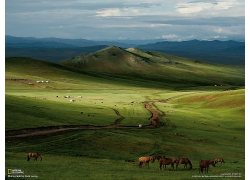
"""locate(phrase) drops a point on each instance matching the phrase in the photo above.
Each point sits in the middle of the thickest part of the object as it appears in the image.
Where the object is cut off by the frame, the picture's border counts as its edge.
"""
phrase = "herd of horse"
(163, 161)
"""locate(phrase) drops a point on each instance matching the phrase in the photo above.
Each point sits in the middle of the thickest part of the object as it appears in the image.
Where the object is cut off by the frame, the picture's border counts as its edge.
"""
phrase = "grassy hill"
(91, 137)
(158, 67)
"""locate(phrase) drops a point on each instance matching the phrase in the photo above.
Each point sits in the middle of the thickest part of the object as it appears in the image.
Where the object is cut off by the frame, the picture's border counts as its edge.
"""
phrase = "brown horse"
(146, 160)
(35, 155)
(221, 160)
(157, 157)
(205, 164)
(167, 161)
(184, 161)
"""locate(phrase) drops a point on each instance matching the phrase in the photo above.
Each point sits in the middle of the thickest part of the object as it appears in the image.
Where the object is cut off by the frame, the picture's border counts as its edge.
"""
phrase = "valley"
(123, 104)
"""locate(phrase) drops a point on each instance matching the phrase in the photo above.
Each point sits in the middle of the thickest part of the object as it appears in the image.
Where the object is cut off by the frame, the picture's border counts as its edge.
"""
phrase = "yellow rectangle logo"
(9, 171)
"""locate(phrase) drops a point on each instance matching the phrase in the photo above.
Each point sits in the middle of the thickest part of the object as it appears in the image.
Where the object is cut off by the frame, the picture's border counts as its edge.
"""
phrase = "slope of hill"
(156, 66)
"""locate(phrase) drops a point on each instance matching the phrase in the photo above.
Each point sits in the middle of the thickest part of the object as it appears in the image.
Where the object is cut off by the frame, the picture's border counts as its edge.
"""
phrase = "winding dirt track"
(118, 114)
(154, 115)
(154, 119)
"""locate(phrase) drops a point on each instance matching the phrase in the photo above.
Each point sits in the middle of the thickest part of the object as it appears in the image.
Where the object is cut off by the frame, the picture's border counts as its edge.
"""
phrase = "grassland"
(209, 120)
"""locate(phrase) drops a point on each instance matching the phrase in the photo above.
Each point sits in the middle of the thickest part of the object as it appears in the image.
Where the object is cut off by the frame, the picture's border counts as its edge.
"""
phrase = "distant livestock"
(79, 96)
(157, 157)
(35, 155)
(66, 96)
(221, 160)
(146, 160)
(205, 164)
(184, 161)
(72, 100)
(167, 161)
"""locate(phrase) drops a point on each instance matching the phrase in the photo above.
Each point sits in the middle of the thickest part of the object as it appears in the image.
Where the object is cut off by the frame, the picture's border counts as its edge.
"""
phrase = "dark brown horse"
(184, 161)
(35, 155)
(205, 164)
(167, 161)
(146, 160)
(157, 157)
(221, 160)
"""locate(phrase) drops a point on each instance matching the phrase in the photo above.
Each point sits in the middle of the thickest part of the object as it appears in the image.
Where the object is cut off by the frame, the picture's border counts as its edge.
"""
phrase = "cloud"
(169, 36)
(109, 12)
(129, 12)
(200, 6)
(132, 19)
(214, 21)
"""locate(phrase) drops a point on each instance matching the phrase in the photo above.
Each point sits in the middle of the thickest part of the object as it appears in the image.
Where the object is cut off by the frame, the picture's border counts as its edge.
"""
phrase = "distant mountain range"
(57, 49)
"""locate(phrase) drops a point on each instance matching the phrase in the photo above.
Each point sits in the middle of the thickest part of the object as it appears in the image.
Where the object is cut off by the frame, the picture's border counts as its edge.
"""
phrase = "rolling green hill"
(91, 137)
(158, 67)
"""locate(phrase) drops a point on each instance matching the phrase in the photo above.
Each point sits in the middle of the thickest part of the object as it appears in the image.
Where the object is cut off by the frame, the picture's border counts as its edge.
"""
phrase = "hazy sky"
(173, 20)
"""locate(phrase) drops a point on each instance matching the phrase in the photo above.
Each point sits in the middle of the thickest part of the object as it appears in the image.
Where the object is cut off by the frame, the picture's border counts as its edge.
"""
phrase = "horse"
(167, 161)
(157, 157)
(35, 155)
(221, 160)
(184, 161)
(205, 164)
(146, 160)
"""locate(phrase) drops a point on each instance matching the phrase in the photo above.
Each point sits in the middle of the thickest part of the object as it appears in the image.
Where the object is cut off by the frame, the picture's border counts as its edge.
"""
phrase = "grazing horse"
(157, 157)
(221, 160)
(35, 155)
(184, 161)
(167, 161)
(146, 160)
(205, 164)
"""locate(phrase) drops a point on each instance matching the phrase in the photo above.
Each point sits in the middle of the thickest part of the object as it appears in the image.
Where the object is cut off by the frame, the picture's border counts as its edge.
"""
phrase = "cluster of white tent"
(43, 81)
(71, 100)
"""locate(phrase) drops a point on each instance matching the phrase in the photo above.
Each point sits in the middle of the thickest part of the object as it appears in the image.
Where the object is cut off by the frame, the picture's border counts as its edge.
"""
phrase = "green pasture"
(209, 120)
(100, 154)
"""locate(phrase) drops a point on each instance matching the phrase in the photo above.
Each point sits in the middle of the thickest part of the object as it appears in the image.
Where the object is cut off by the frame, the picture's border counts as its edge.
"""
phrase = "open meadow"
(87, 124)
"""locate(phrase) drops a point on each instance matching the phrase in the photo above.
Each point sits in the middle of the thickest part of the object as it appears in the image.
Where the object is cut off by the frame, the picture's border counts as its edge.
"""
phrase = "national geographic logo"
(15, 171)
(18, 173)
